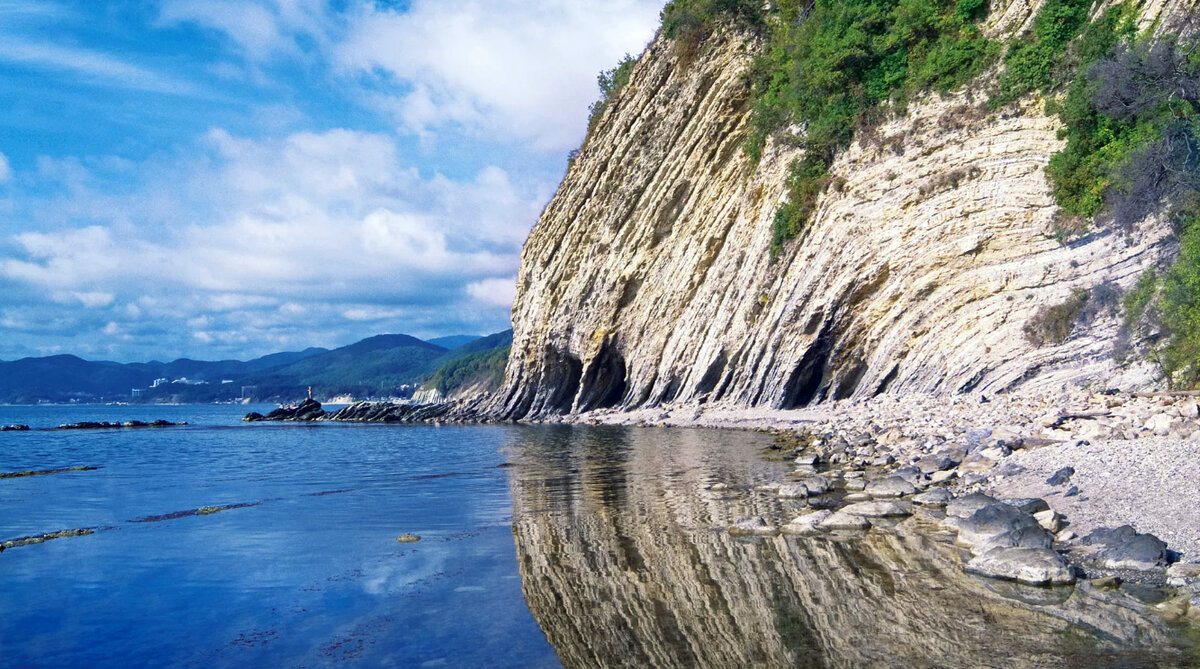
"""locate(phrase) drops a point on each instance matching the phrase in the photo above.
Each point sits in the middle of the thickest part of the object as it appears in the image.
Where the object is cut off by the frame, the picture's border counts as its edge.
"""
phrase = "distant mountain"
(378, 365)
(478, 365)
(454, 341)
(381, 366)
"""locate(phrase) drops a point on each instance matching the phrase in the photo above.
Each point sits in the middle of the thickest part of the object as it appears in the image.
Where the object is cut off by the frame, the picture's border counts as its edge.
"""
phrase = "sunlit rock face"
(625, 562)
(648, 278)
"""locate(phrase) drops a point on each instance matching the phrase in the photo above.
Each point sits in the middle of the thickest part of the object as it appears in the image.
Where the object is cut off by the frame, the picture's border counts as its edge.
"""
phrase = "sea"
(231, 544)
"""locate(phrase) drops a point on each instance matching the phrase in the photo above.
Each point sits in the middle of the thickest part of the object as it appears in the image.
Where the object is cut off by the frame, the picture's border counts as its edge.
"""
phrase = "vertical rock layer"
(649, 279)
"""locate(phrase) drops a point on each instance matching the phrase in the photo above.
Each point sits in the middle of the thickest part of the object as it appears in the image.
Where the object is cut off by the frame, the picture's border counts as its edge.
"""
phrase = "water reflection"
(624, 563)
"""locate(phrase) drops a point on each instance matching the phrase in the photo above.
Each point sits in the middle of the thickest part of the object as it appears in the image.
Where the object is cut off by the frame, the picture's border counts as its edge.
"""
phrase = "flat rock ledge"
(311, 411)
(1033, 566)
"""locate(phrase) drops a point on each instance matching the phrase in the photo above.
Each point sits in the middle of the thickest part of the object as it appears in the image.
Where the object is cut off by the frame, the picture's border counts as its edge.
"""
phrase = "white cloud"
(5, 168)
(280, 240)
(261, 29)
(93, 66)
(503, 66)
(494, 292)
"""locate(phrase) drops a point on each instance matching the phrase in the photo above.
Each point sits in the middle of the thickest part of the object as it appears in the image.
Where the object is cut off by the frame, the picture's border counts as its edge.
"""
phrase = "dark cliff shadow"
(624, 563)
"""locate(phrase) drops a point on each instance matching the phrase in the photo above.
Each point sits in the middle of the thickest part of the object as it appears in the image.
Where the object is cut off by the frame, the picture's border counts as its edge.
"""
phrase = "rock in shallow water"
(879, 509)
(935, 497)
(892, 486)
(793, 491)
(841, 520)
(1034, 566)
(806, 524)
(754, 525)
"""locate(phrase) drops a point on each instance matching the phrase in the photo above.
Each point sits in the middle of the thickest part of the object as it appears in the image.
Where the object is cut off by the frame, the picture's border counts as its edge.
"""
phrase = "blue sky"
(229, 178)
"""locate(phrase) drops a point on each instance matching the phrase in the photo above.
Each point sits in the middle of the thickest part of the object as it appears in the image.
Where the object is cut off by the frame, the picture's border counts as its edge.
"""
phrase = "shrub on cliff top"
(828, 65)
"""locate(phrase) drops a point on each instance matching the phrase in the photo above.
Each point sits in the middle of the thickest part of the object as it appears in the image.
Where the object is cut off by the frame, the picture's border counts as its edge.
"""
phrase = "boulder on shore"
(1034, 566)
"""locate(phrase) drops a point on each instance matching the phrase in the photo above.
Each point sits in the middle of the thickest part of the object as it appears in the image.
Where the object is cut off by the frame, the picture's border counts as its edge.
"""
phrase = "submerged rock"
(1034, 566)
(753, 525)
(14, 428)
(841, 520)
(807, 523)
(815, 483)
(793, 491)
(878, 509)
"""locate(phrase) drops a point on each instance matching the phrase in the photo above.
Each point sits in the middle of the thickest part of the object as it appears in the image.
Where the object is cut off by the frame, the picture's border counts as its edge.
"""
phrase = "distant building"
(135, 393)
(158, 382)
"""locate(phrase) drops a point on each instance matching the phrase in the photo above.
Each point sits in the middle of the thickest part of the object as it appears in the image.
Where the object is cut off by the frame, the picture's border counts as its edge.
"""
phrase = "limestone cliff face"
(649, 280)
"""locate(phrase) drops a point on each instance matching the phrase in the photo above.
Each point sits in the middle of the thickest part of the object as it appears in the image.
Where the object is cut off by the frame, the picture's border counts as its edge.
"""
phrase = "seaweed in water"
(202, 511)
(43, 472)
(42, 538)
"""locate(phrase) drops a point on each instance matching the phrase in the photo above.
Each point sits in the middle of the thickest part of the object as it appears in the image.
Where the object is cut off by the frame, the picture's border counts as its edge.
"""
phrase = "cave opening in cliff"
(561, 373)
(803, 385)
(603, 384)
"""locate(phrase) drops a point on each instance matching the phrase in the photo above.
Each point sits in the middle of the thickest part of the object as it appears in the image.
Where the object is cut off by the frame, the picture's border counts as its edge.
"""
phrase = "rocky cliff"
(649, 279)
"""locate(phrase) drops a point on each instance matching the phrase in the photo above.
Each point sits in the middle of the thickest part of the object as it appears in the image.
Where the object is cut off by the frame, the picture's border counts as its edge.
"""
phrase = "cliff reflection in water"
(625, 562)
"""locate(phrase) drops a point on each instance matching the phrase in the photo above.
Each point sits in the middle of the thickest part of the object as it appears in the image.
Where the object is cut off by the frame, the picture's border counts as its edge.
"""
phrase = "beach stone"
(856, 484)
(1184, 575)
(883, 460)
(815, 483)
(1061, 477)
(807, 523)
(977, 464)
(892, 486)
(845, 521)
(408, 538)
(1107, 582)
(1072, 491)
(1030, 505)
(964, 507)
(1033, 566)
(1065, 535)
(935, 463)
(879, 509)
(943, 476)
(753, 525)
(1049, 519)
(1125, 548)
(1159, 424)
(1009, 469)
(793, 491)
(857, 497)
(807, 459)
(1000, 525)
(911, 474)
(1174, 609)
(935, 497)
(997, 452)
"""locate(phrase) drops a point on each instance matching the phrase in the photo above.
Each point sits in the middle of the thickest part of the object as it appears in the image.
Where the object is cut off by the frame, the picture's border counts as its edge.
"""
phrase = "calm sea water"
(311, 574)
(540, 546)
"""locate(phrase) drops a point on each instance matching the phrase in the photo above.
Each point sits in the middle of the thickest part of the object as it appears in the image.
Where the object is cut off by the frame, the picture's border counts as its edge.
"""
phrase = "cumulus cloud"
(261, 29)
(525, 70)
(294, 237)
(496, 292)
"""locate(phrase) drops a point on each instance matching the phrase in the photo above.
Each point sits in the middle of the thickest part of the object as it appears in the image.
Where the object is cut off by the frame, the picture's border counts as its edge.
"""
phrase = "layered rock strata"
(649, 278)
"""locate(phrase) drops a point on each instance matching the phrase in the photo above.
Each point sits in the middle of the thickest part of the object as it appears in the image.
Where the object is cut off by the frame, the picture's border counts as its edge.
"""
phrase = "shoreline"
(1137, 458)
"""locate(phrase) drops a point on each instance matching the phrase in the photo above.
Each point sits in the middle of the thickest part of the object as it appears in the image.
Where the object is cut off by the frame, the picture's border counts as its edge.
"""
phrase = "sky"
(229, 178)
